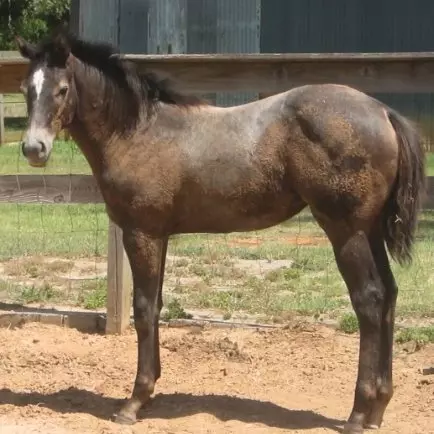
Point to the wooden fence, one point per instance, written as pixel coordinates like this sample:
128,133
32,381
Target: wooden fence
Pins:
262,73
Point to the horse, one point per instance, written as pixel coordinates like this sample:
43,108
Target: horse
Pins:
170,163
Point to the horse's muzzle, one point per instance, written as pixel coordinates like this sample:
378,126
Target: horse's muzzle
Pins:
36,152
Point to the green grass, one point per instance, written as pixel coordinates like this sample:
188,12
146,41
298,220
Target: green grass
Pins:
348,323
175,311
430,164
93,294
66,229
420,335
34,294
13,98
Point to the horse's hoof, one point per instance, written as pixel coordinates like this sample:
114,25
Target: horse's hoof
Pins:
372,426
353,428
123,419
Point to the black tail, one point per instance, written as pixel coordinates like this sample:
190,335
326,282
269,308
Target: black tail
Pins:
403,205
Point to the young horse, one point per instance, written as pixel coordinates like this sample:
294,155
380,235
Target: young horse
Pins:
169,164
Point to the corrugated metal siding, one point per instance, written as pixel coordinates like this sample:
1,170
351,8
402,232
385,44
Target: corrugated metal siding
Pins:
99,20
237,31
133,26
167,26
354,26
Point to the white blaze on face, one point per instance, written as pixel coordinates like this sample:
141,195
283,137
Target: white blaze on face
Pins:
37,81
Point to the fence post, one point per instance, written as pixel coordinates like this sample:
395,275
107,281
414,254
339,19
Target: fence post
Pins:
2,121
119,283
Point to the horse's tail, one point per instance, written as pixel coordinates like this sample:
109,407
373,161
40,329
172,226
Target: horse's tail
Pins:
400,218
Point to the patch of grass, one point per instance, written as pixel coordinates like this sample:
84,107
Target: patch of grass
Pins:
54,230
348,323
93,294
35,294
420,335
13,98
430,164
175,311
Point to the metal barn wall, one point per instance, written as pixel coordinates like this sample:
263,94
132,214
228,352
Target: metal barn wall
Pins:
206,26
355,26
174,26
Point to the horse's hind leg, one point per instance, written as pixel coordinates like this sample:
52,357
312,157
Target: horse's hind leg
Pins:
358,267
384,379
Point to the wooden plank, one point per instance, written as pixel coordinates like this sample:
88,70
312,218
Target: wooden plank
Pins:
271,73
84,189
119,283
49,189
15,110
2,121
280,74
12,73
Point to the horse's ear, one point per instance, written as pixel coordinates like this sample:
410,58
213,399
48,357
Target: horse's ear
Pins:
26,49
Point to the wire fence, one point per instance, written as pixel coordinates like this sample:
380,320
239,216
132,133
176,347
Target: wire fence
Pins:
56,255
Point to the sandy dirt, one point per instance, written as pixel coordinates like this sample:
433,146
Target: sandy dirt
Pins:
57,380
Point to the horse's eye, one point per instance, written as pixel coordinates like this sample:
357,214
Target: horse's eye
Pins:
63,91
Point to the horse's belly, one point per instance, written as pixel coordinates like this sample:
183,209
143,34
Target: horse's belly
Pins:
251,211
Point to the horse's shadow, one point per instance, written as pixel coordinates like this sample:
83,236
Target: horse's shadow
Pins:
167,406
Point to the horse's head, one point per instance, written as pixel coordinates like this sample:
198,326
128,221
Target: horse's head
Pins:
50,95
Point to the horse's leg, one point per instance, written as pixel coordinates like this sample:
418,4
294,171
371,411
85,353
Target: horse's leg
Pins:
356,263
157,367
145,254
384,379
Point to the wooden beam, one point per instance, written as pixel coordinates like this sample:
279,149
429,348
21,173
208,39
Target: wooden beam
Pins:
12,72
119,283
49,189
272,73
15,110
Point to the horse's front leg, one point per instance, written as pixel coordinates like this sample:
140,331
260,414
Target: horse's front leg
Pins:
146,257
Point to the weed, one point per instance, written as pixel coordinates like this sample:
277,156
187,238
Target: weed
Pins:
349,323
420,335
94,294
175,311
35,294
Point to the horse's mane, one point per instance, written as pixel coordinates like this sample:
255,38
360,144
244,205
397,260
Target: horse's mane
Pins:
105,58
127,90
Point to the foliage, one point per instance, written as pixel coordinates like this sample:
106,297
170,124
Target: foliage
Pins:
175,311
31,19
419,335
349,324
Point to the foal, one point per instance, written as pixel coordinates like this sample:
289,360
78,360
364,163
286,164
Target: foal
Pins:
169,164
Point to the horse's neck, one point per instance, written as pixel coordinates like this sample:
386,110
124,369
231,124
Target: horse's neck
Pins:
89,129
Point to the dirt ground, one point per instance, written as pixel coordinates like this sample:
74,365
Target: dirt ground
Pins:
57,380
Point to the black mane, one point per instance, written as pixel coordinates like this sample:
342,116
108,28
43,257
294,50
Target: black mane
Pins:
127,91
105,58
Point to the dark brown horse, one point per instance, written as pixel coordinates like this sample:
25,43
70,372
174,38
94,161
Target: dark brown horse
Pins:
170,164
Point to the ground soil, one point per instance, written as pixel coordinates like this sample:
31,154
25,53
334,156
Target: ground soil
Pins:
58,380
